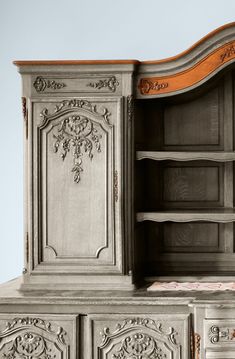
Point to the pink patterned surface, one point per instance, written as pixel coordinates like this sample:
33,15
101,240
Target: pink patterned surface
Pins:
187,286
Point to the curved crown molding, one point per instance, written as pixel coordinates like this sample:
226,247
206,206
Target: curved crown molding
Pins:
176,74
189,69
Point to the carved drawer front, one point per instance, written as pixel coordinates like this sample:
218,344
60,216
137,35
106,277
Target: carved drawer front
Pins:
85,84
117,336
38,336
219,333
76,201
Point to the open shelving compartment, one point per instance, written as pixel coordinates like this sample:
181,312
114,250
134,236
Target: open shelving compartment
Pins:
184,183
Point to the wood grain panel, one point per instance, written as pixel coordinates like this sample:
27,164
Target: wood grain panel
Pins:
197,184
191,237
191,76
193,123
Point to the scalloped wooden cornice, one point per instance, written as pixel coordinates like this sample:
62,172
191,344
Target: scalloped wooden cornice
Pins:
176,74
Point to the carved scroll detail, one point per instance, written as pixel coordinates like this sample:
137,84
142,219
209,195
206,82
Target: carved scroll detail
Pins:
68,106
139,346
217,334
148,85
133,324
28,346
110,83
228,52
29,339
20,323
79,134
41,84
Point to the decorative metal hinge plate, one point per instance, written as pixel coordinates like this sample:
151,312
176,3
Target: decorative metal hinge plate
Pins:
25,115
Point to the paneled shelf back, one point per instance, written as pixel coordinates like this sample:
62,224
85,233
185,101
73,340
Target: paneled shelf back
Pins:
226,215
186,156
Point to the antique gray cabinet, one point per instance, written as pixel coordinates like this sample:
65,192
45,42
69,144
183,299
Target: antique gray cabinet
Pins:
77,157
129,178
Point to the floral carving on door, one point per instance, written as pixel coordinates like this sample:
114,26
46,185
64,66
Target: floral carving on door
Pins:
32,338
77,133
138,338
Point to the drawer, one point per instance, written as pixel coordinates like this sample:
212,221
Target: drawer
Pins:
115,336
32,336
84,84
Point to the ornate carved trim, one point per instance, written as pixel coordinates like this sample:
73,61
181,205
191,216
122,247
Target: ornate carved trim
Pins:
110,83
149,85
68,106
115,185
21,323
139,346
25,114
130,108
191,76
24,108
197,345
217,334
77,133
135,323
41,84
29,346
27,247
26,343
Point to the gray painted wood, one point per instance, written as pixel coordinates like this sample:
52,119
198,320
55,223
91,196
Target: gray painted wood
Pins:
80,225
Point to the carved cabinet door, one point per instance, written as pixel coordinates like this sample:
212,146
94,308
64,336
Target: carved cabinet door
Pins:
117,336
75,182
38,336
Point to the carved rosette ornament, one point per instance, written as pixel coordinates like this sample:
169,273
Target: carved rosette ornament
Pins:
28,341
77,132
140,338
41,84
111,84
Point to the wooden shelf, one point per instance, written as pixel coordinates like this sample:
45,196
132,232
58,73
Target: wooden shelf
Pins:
206,215
186,156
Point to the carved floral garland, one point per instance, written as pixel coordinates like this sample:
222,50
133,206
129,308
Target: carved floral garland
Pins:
79,134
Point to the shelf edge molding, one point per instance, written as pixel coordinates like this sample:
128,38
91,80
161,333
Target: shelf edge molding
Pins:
185,217
186,156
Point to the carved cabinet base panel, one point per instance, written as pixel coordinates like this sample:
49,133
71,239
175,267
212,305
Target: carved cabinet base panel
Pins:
38,337
138,337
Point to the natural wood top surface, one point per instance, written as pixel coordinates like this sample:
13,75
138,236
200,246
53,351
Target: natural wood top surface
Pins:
74,62
125,61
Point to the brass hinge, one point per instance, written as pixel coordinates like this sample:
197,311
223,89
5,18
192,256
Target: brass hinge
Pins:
25,115
27,247
115,185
